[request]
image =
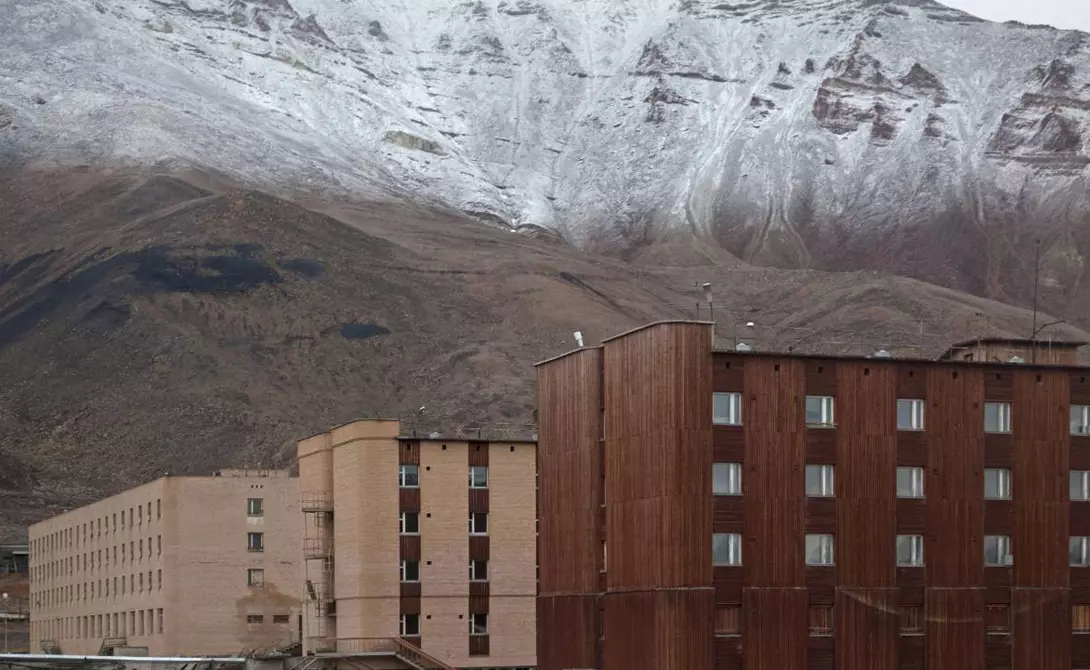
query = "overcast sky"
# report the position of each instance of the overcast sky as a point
(1060, 13)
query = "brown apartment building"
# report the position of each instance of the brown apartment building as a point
(703, 509)
(181, 566)
(428, 540)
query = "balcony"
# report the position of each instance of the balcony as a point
(316, 501)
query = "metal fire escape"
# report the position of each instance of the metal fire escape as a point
(321, 604)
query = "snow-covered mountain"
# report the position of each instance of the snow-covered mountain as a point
(792, 132)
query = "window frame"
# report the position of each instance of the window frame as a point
(404, 572)
(473, 576)
(915, 414)
(826, 480)
(1084, 549)
(914, 473)
(475, 516)
(255, 578)
(403, 626)
(1003, 418)
(476, 630)
(915, 551)
(732, 416)
(403, 476)
(732, 544)
(250, 542)
(826, 408)
(255, 508)
(1003, 484)
(1003, 551)
(826, 544)
(1081, 478)
(403, 523)
(475, 469)
(732, 474)
(1084, 418)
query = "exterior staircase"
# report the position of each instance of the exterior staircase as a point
(110, 643)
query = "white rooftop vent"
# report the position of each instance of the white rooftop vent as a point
(881, 353)
(434, 436)
(1016, 359)
(742, 346)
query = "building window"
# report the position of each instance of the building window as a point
(1080, 618)
(410, 571)
(819, 549)
(997, 550)
(997, 484)
(255, 618)
(909, 414)
(819, 411)
(255, 541)
(728, 620)
(726, 549)
(909, 482)
(819, 481)
(727, 409)
(410, 523)
(478, 624)
(478, 571)
(410, 625)
(1080, 485)
(997, 417)
(911, 620)
(910, 550)
(478, 523)
(821, 621)
(1080, 419)
(997, 619)
(255, 577)
(727, 479)
(408, 476)
(478, 476)
(281, 618)
(255, 507)
(1079, 548)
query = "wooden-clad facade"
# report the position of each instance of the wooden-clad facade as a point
(629, 426)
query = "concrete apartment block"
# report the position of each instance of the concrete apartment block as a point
(377, 505)
(181, 565)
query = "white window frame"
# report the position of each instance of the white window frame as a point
(474, 516)
(912, 548)
(404, 520)
(254, 510)
(732, 544)
(826, 485)
(473, 576)
(824, 545)
(255, 577)
(404, 621)
(250, 545)
(1003, 417)
(727, 409)
(1004, 556)
(405, 571)
(1080, 420)
(826, 405)
(403, 476)
(916, 482)
(1003, 483)
(476, 469)
(478, 624)
(730, 475)
(1080, 545)
(1079, 485)
(915, 414)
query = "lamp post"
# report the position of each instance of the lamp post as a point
(4, 599)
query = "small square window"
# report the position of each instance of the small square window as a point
(1080, 618)
(819, 411)
(909, 414)
(819, 481)
(410, 523)
(478, 571)
(727, 549)
(997, 417)
(909, 482)
(478, 523)
(478, 476)
(408, 476)
(410, 625)
(255, 577)
(727, 479)
(727, 409)
(910, 550)
(478, 624)
(1080, 419)
(255, 541)
(997, 484)
(1079, 549)
(819, 549)
(997, 550)
(410, 571)
(1080, 485)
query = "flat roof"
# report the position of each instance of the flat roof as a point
(897, 359)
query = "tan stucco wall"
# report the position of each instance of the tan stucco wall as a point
(444, 543)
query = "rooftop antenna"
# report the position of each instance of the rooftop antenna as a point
(578, 338)
(708, 299)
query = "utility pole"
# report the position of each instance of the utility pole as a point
(4, 599)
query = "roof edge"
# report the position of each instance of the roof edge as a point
(655, 324)
(566, 354)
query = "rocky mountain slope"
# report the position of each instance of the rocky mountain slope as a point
(838, 134)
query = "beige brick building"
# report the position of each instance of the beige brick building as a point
(181, 565)
(430, 540)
